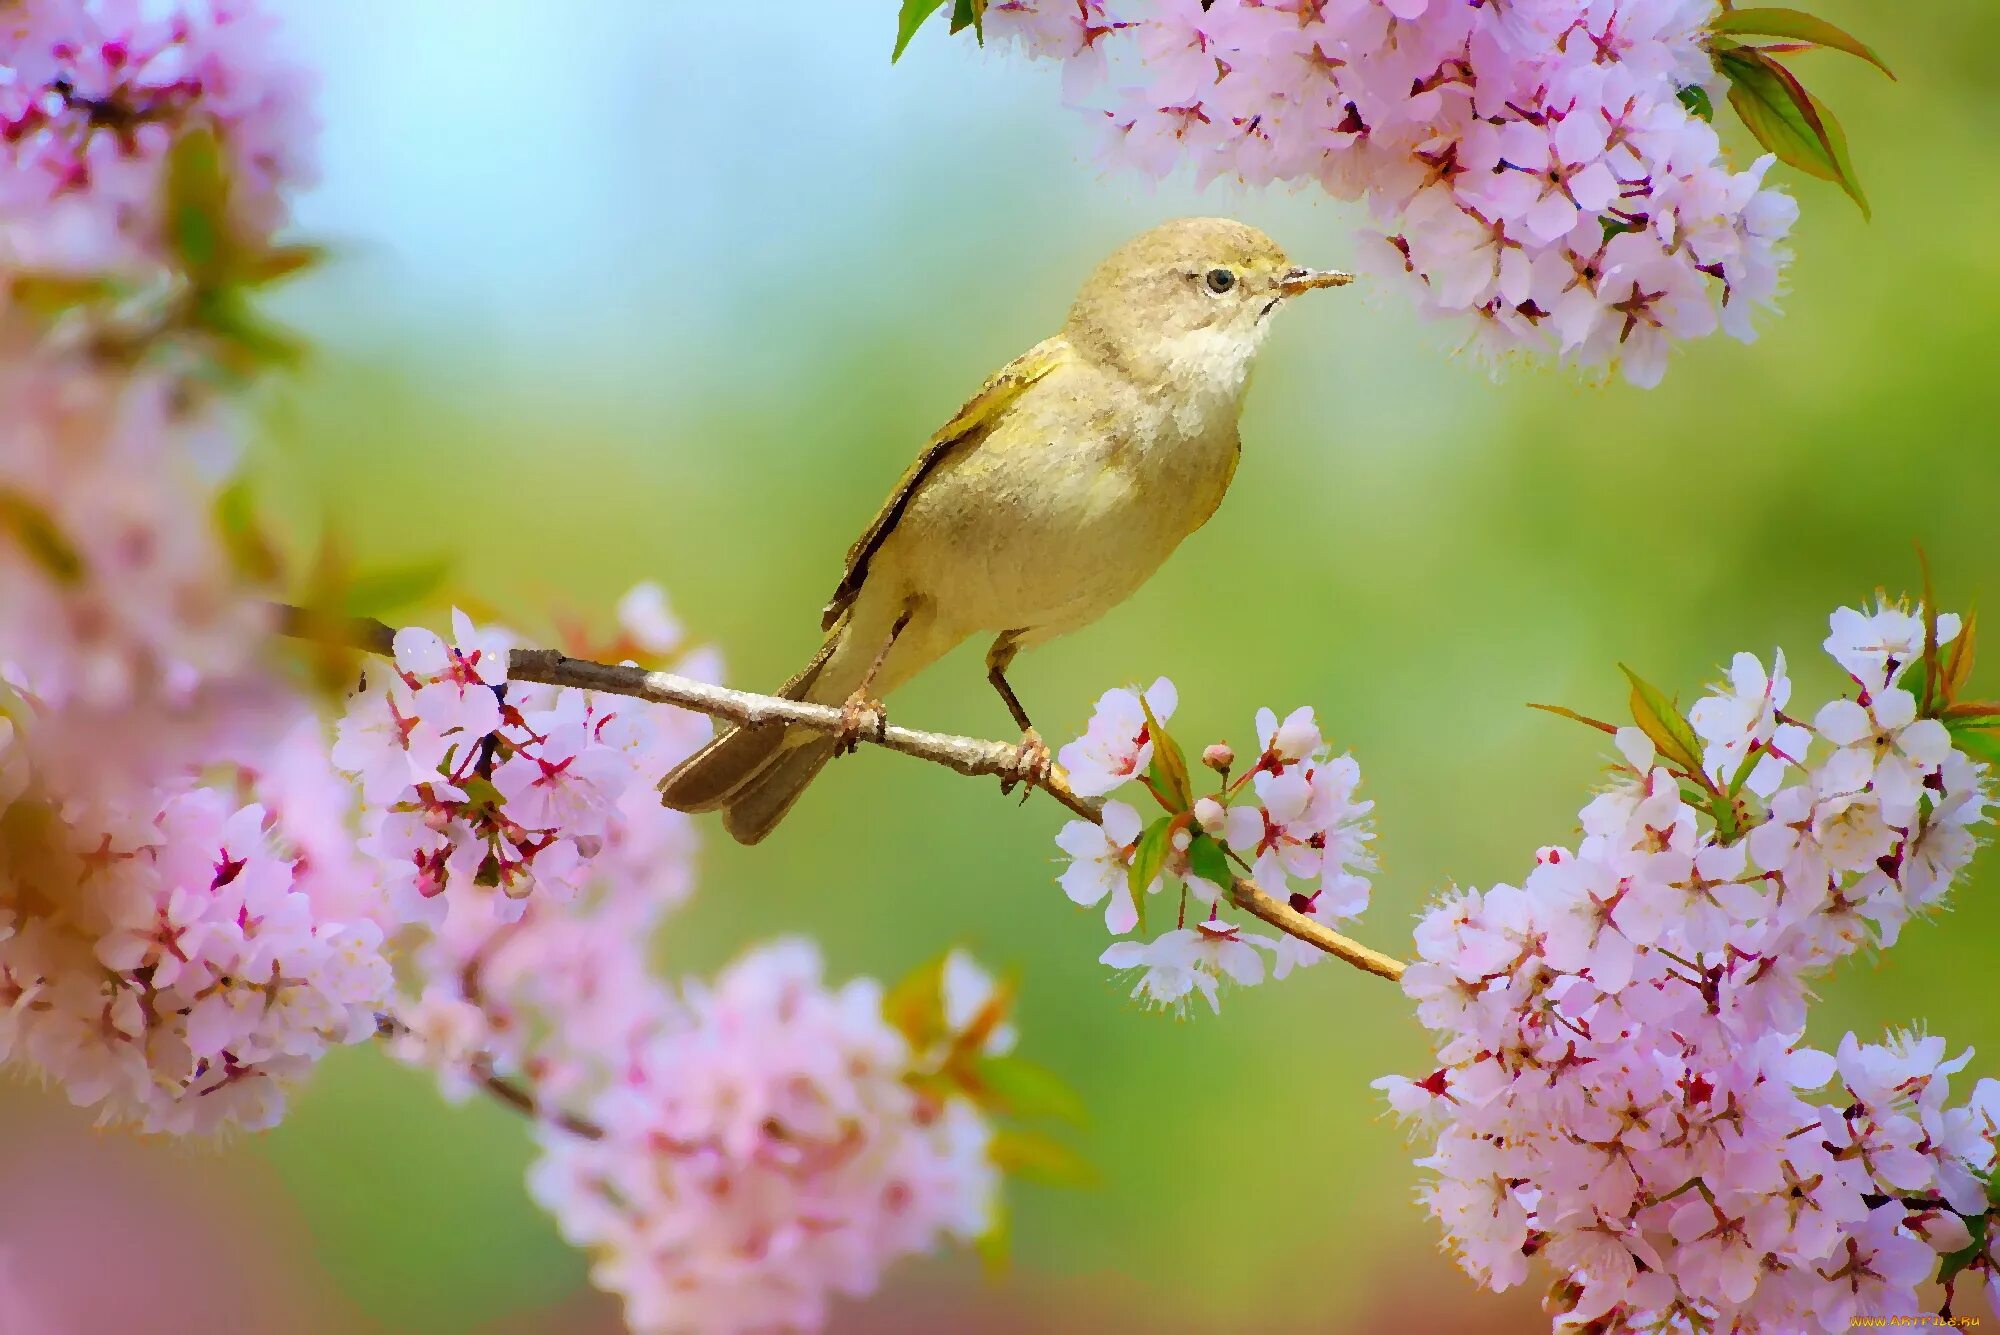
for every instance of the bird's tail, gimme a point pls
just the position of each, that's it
(755, 773)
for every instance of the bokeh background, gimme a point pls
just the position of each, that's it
(658, 288)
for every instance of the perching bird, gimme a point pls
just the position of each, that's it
(1048, 500)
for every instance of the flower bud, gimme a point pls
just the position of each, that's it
(1219, 757)
(1210, 814)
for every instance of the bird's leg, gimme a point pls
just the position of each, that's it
(1033, 763)
(862, 714)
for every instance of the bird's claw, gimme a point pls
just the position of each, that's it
(1032, 765)
(860, 717)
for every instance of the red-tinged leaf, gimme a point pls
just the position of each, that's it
(1169, 771)
(1958, 668)
(1148, 858)
(1971, 709)
(1788, 120)
(1932, 668)
(914, 13)
(276, 263)
(35, 532)
(1040, 1158)
(1021, 1088)
(1796, 26)
(1660, 719)
(990, 1017)
(915, 1005)
(1585, 719)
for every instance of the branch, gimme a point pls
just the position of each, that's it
(507, 1092)
(965, 755)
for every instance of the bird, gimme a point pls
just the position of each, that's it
(1049, 498)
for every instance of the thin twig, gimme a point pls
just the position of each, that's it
(506, 1092)
(966, 755)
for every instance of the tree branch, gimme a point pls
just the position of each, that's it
(966, 755)
(507, 1092)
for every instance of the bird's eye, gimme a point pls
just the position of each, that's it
(1220, 281)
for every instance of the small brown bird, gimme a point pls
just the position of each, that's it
(1055, 492)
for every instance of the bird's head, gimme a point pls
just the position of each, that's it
(1186, 305)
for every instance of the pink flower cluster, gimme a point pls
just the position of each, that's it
(1292, 820)
(469, 779)
(771, 1148)
(1529, 164)
(114, 584)
(1621, 1088)
(93, 93)
(174, 964)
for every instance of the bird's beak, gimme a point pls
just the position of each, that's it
(1305, 280)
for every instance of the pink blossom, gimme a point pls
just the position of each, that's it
(1531, 168)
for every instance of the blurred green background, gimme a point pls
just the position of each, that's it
(674, 290)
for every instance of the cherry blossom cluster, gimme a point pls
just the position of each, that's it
(177, 962)
(94, 95)
(1621, 1087)
(1291, 820)
(469, 779)
(1540, 165)
(778, 1144)
(557, 987)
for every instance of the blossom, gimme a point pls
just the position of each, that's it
(1876, 647)
(1190, 960)
(1100, 853)
(1741, 723)
(1116, 746)
(99, 96)
(764, 1155)
(1620, 1085)
(1884, 746)
(168, 965)
(1532, 170)
(471, 779)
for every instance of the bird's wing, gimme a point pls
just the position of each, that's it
(963, 431)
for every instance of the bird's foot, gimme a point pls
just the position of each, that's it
(1032, 765)
(860, 717)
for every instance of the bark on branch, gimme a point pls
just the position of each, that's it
(967, 755)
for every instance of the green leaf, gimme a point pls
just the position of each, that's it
(34, 530)
(915, 1005)
(1147, 859)
(1028, 1089)
(996, 1245)
(1798, 27)
(1670, 731)
(970, 14)
(258, 342)
(1695, 98)
(1788, 120)
(1207, 860)
(1040, 1158)
(912, 18)
(197, 196)
(374, 592)
(251, 550)
(1979, 743)
(1169, 770)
